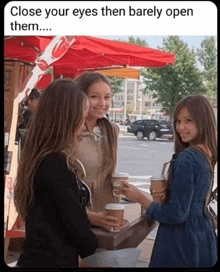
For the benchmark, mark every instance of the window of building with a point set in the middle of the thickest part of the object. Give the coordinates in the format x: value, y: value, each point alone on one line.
x: 148, y: 104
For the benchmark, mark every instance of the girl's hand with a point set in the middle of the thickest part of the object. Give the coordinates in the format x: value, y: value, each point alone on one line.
x: 133, y: 193
x: 161, y: 193
x: 102, y: 219
x: 130, y: 191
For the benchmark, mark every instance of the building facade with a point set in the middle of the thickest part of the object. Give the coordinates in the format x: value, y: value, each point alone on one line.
x: 138, y: 105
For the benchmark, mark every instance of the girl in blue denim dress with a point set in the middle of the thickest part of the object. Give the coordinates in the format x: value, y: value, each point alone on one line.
x: 186, y: 237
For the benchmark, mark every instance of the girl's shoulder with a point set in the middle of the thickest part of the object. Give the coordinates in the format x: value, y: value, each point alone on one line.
x: 55, y: 165
x: 55, y: 156
x: 53, y: 159
x: 192, y: 156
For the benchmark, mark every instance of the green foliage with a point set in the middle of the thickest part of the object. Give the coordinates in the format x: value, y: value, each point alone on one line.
x: 130, y: 108
x: 207, y: 56
x: 117, y: 84
x: 137, y: 41
x: 170, y: 84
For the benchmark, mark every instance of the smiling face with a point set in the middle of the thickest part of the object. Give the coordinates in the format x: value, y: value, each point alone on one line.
x: 186, y: 127
x: 99, y: 94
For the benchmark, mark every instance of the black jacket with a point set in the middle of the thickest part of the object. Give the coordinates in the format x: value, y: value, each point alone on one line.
x: 57, y: 227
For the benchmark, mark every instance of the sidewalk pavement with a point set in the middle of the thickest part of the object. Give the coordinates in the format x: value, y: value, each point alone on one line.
x: 123, y: 130
x: 133, y: 211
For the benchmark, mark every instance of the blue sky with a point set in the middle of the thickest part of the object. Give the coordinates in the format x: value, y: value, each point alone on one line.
x: 155, y: 41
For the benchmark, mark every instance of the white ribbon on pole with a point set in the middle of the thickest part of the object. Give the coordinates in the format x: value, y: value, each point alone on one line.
x: 54, y: 51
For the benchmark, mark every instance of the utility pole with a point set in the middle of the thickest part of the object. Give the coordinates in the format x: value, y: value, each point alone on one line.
x: 125, y: 100
x: 140, y: 99
x: 135, y: 95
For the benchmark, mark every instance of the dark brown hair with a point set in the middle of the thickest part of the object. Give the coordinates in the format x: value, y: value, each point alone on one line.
x: 34, y: 94
x: 59, y: 113
x: 202, y: 113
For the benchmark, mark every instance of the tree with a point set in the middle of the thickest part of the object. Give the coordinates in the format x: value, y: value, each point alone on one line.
x: 116, y: 84
x: 137, y: 41
x: 207, y: 56
x: 170, y: 84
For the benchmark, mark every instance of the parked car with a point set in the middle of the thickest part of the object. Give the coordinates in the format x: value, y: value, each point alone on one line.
x: 151, y: 129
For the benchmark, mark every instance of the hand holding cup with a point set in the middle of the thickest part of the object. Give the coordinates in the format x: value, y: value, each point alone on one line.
x: 133, y: 193
x: 130, y: 191
x: 116, y: 211
x: 160, y: 193
x: 103, y: 220
x: 158, y: 189
x: 117, y: 182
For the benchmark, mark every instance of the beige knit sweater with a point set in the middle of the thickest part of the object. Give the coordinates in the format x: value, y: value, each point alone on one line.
x: 90, y: 154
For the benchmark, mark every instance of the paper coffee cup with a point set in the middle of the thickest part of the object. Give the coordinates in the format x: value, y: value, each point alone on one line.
x: 116, y: 210
x: 117, y: 180
x: 158, y: 184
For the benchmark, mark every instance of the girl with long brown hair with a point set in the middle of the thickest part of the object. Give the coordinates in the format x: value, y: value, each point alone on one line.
x: 186, y: 237
x: 48, y: 195
x: 98, y: 145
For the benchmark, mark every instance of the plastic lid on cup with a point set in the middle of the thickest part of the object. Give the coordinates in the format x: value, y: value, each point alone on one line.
x: 157, y: 178
x: 114, y: 206
x: 120, y: 174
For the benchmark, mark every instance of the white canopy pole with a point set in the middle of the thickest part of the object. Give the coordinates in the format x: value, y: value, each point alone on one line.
x: 125, y: 103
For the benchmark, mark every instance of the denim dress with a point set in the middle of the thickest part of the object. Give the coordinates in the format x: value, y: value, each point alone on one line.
x: 185, y: 237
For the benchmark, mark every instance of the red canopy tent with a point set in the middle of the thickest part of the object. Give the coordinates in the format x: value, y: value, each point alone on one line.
x: 86, y: 53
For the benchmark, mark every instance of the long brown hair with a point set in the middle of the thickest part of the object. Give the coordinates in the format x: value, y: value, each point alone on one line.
x: 201, y: 111
x: 59, y: 113
x: 110, y: 142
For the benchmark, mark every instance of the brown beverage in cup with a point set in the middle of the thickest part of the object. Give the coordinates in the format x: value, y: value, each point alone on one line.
x: 158, y: 184
x: 116, y: 210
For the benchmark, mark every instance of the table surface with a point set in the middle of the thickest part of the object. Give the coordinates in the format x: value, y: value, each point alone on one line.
x: 134, y: 232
